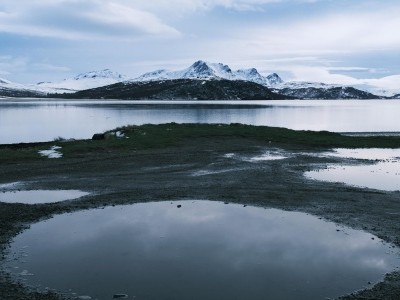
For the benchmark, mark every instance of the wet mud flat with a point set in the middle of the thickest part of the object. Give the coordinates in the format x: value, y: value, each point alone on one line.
x: 160, y: 163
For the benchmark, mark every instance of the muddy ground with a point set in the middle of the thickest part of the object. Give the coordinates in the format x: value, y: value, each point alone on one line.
x: 172, y: 173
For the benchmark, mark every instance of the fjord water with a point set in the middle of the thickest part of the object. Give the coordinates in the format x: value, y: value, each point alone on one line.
x: 44, y: 120
x: 201, y: 250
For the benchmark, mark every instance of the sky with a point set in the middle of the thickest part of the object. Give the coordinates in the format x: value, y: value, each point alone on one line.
x: 332, y: 41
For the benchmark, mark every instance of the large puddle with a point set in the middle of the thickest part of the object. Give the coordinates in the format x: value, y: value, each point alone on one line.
x: 382, y: 172
x: 39, y: 196
x: 197, y: 250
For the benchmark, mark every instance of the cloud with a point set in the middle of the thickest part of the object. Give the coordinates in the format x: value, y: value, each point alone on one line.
x: 329, y: 33
x: 9, y: 64
x: 202, y: 5
x: 85, y: 19
x: 50, y: 67
x: 389, y: 82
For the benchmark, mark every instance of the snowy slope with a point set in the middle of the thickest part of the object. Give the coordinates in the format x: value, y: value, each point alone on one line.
x: 4, y: 83
x: 83, y: 81
x: 204, y: 70
x: 12, y: 89
x: 317, y: 90
x: 384, y: 92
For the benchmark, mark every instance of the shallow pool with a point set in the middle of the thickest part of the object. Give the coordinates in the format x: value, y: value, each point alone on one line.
x: 382, y: 172
x: 200, y: 250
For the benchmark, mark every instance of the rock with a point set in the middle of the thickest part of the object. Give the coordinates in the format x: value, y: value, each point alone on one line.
x: 179, y: 206
x: 120, y: 296
x: 98, y: 136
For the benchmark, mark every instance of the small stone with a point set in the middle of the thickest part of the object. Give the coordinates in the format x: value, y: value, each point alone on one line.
x: 120, y: 296
x: 179, y: 206
x: 25, y: 273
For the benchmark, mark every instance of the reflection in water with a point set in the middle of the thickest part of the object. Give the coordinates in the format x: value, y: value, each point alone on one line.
x: 40, y: 196
x: 33, y: 121
x: 383, y: 175
x: 369, y: 153
x: 202, y: 250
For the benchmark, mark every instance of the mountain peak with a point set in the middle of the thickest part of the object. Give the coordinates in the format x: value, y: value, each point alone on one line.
x: 274, y: 79
x: 205, y: 70
x: 102, y: 74
x: 200, y: 69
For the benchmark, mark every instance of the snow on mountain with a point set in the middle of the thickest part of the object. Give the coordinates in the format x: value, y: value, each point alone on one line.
x: 274, y: 79
x: 251, y: 75
x: 155, y: 75
x: 11, y: 85
x: 7, y: 84
x: 12, y: 89
x: 305, y: 85
x: 384, y: 92
x: 4, y: 81
x: 204, y: 70
x: 83, y: 81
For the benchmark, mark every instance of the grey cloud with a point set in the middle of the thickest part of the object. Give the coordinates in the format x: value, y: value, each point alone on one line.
x: 81, y: 19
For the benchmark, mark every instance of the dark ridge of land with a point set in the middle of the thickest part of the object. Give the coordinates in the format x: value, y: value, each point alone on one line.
x: 157, y: 163
x: 22, y: 93
x: 327, y: 93
x: 179, y: 89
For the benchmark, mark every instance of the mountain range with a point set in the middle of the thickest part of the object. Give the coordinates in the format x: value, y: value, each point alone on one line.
x: 201, y: 80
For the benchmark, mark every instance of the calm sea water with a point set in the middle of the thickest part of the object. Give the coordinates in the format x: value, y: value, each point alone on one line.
x: 44, y: 120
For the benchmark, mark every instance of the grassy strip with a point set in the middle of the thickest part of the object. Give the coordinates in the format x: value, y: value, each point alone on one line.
x: 164, y: 135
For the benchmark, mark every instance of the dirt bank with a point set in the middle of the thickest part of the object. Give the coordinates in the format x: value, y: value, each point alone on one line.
x: 151, y: 167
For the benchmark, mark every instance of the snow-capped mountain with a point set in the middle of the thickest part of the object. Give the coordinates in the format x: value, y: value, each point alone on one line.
x: 83, y: 81
x: 12, y: 89
x: 204, y: 70
x: 4, y: 81
x: 317, y: 90
x: 383, y: 92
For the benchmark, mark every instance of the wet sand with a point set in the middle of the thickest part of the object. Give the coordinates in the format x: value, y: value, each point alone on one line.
x: 198, y: 169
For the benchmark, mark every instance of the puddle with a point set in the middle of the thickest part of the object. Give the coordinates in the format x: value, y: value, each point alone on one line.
x: 370, y: 154
x: 384, y: 174
x: 40, y: 196
x: 197, y: 250
x: 52, y: 152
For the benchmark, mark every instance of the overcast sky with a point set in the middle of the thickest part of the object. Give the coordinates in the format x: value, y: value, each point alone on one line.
x: 335, y: 41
